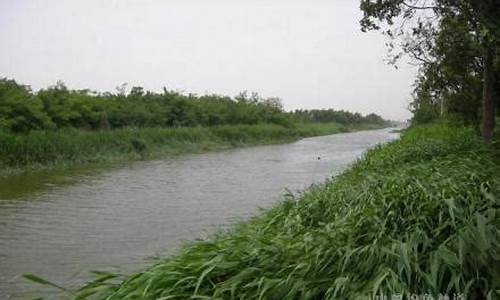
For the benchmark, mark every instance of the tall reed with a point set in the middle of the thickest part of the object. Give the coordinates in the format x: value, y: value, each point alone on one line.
x: 73, y: 146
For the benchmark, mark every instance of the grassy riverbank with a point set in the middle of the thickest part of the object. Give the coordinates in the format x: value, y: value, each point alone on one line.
x: 42, y: 149
x: 420, y: 215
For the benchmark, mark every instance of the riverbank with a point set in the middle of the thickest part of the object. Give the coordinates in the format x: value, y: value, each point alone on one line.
x: 419, y: 215
x: 47, y: 149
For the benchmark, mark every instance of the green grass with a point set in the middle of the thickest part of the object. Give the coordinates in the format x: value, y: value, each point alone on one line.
x: 417, y: 216
x: 42, y: 149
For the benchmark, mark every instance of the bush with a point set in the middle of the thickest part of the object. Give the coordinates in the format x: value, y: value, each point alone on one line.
x: 22, y: 110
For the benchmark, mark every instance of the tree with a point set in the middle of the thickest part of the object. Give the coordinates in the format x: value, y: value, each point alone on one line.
x: 419, y: 25
x: 19, y: 110
x: 450, y: 83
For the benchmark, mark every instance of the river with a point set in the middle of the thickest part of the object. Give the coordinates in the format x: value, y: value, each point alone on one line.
x: 114, y: 218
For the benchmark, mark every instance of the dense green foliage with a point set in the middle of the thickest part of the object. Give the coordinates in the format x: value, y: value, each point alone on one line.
x: 455, y: 44
x: 56, y: 107
x: 72, y: 146
x: 416, y: 216
x: 60, y: 126
x: 450, y: 83
x: 22, y: 110
x: 337, y: 116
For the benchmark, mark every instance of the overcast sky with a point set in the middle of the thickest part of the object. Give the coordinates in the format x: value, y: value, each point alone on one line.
x: 311, y: 54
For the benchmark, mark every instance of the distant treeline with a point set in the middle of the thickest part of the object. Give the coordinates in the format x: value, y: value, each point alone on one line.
x: 23, y: 110
x: 338, y: 116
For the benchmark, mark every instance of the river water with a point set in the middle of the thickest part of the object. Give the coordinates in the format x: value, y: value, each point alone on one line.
x: 62, y: 224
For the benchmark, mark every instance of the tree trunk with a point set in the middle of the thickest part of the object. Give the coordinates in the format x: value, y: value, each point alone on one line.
x: 488, y: 95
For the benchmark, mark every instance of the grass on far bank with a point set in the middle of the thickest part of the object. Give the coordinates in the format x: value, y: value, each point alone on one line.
x: 42, y: 149
x: 419, y: 216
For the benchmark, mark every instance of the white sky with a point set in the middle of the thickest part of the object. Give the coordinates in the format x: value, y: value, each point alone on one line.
x: 310, y: 53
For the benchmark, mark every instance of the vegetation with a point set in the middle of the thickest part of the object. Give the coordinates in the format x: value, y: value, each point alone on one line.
x: 419, y: 216
x: 61, y: 126
x: 57, y: 107
x: 416, y: 216
x: 456, y: 44
x: 72, y: 146
x: 338, y: 116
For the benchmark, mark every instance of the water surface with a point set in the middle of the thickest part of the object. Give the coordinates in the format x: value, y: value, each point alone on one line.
x: 99, y: 219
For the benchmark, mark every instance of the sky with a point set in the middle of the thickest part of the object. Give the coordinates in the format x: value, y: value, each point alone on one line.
x: 309, y: 53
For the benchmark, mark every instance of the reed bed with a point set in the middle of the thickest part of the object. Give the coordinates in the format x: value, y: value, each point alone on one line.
x: 418, y: 216
x: 72, y: 146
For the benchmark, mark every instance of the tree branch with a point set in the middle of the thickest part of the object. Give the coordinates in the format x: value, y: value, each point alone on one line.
x: 419, y: 7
